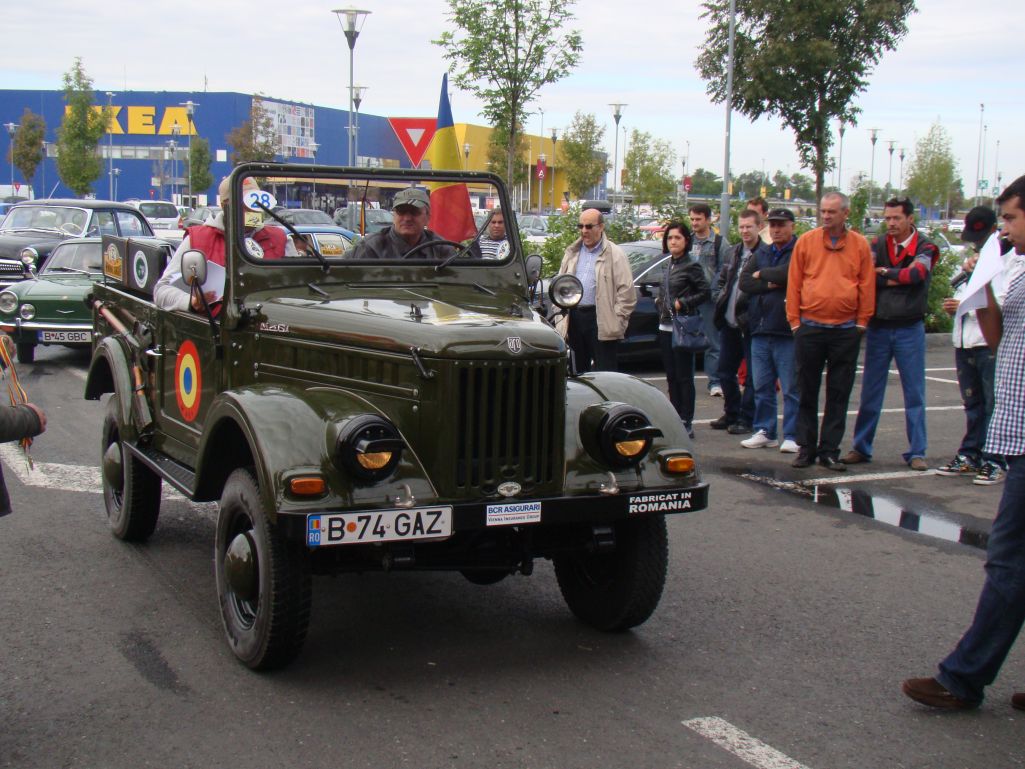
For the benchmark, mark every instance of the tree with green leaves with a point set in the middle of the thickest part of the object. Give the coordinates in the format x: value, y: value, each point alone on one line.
x: 253, y: 141
x: 26, y: 151
x: 498, y: 155
x: 648, y: 168
x: 705, y: 182
x: 801, y: 62
x: 504, y: 51
x: 78, y: 136
x: 198, y: 168
x: 932, y: 173
x: 580, y: 154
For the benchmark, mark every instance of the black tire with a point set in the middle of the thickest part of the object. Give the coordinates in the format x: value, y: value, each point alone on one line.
x: 266, y: 630
x: 618, y: 590
x: 484, y: 576
x: 131, y: 491
x: 26, y: 352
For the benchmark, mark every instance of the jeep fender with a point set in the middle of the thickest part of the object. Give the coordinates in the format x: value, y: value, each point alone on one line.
x: 110, y: 371
x: 286, y: 430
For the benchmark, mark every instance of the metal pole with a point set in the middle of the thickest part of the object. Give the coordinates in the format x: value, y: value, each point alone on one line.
x: 540, y: 156
x: 110, y: 145
x: 978, y: 160
x: 11, y: 128
x: 555, y: 138
x: 872, y: 170
x: 889, y: 173
x: 839, y: 159
x: 903, y: 151
x: 350, y: 19
x: 190, y: 111
x: 985, y: 130
x: 540, y: 184
x: 686, y: 160
x: 996, y: 172
x: 313, y: 149
x: 617, y: 113
x: 724, y: 202
x: 117, y: 173
x: 357, y: 99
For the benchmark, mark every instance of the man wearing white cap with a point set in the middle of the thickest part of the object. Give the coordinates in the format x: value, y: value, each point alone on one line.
x: 209, y: 238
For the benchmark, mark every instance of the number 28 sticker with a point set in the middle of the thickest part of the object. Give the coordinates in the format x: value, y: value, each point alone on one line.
x: 257, y: 200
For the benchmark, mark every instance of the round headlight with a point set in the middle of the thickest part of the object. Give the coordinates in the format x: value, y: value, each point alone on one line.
x: 369, y: 448
x: 566, y: 291
x: 27, y: 311
x: 617, y: 434
x: 29, y: 256
x: 8, y: 302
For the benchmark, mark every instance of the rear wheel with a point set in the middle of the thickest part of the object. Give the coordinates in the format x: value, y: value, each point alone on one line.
x: 26, y: 352
x: 131, y: 491
x: 263, y: 580
x: 620, y: 589
x: 484, y: 576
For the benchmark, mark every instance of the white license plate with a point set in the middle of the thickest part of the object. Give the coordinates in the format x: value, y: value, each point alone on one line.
x: 378, y: 526
x: 64, y: 336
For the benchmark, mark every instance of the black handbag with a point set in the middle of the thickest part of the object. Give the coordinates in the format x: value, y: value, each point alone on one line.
x: 689, y: 333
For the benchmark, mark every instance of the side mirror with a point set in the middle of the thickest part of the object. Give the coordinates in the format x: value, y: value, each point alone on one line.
x: 566, y: 291
x: 194, y: 267
x: 534, y: 264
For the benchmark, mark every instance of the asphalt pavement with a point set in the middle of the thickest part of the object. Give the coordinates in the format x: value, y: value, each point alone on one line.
x: 789, y: 618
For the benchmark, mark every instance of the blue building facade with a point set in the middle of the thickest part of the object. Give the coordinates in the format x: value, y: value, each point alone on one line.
x: 145, y: 152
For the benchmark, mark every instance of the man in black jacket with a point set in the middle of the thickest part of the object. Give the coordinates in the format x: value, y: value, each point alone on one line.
x: 734, y: 342
x: 903, y: 262
x: 764, y: 281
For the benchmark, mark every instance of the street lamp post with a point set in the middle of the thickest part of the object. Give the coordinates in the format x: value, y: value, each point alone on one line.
x: 110, y: 145
x: 540, y: 154
x: 996, y: 172
x: 176, y: 132
x: 540, y: 184
x: 889, y: 172
x: 686, y: 160
x: 724, y: 200
x: 466, y: 156
x: 872, y: 168
x: 978, y: 161
x: 901, y: 156
x: 555, y: 138
x: 617, y: 113
x: 985, y: 130
x: 190, y: 111
x: 172, y: 145
x: 313, y: 152
x: 117, y: 173
x: 839, y: 159
x: 351, y: 20
x: 11, y: 128
x: 357, y: 99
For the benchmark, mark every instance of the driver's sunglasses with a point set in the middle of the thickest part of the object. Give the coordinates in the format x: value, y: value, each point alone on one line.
x: 586, y: 226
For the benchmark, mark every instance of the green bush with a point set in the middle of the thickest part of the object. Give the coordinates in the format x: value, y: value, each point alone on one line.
x: 562, y: 232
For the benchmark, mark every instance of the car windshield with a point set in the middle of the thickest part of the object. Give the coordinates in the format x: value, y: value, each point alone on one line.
x: 405, y: 215
x: 85, y: 257
x: 54, y: 218
x: 640, y: 257
x: 158, y: 210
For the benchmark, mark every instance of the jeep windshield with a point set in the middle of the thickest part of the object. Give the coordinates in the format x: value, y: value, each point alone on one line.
x: 429, y: 217
x: 68, y: 220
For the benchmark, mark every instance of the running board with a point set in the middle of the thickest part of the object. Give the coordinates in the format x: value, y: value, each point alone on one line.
x: 178, y: 475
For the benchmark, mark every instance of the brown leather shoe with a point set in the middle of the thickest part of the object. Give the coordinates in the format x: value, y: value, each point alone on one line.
x: 855, y: 457
x: 1018, y: 700
x: 931, y: 692
x: 917, y: 463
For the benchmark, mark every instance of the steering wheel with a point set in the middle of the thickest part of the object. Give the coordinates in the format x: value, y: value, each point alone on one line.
x: 70, y: 228
x: 429, y: 243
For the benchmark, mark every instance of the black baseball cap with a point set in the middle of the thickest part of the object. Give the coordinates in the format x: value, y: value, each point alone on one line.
x: 978, y: 224
x: 781, y: 214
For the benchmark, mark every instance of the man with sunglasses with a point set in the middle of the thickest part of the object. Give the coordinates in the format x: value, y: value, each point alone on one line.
x: 903, y: 265
x: 594, y: 328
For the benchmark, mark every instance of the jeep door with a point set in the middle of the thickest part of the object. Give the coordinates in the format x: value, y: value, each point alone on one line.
x: 189, y: 378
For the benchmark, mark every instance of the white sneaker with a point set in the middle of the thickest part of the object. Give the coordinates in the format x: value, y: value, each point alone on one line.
x: 789, y: 447
x: 759, y: 440
x: 715, y: 391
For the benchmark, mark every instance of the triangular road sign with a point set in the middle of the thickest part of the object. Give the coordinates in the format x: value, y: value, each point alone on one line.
x: 414, y: 134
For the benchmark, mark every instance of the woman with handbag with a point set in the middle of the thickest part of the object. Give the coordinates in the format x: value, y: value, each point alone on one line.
x: 684, y: 288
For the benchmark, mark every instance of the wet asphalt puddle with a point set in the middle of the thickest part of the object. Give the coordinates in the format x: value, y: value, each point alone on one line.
x: 869, y: 504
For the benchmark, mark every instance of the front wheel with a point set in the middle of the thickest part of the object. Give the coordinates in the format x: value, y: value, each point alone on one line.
x: 26, y: 352
x: 618, y: 590
x: 263, y: 580
x: 131, y: 491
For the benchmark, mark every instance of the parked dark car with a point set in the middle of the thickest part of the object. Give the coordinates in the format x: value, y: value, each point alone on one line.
x: 304, y: 216
x: 375, y: 219
x: 201, y: 215
x: 31, y: 230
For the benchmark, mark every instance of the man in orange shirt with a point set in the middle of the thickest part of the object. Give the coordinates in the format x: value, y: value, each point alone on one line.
x: 830, y: 298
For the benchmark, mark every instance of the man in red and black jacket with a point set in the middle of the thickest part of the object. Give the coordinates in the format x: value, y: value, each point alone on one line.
x: 903, y: 262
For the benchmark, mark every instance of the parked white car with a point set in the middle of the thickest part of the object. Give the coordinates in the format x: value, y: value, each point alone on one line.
x: 161, y: 214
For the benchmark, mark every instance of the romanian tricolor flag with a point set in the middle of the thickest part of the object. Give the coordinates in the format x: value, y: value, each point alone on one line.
x: 451, y: 214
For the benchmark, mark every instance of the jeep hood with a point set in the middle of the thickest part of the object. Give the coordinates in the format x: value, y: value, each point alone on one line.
x: 465, y: 323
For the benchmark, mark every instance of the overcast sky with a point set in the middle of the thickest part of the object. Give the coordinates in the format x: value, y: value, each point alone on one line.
x: 641, y: 53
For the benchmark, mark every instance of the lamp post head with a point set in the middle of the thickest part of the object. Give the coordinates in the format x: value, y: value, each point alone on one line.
x: 357, y: 95
x: 117, y: 172
x: 466, y: 150
x: 891, y: 142
x: 617, y: 111
x: 555, y: 135
x: 314, y: 147
x: 901, y: 154
x: 875, y: 135
x: 351, y: 20
x: 176, y: 129
x: 11, y: 128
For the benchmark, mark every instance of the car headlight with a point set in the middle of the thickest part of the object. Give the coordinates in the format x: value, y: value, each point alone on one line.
x: 566, y: 291
x: 8, y: 302
x: 369, y: 448
x: 617, y: 434
x: 27, y: 311
x: 29, y: 256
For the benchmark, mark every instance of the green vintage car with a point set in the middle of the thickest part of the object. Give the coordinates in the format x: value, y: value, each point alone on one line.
x: 49, y: 308
x: 394, y: 411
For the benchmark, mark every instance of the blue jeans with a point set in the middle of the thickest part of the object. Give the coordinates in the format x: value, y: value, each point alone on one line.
x: 906, y: 344
x: 772, y: 358
x: 976, y: 367
x: 976, y: 660
x: 711, y: 365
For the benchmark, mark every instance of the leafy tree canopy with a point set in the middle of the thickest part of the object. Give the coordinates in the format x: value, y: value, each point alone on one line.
x: 504, y: 51
x: 26, y: 151
x: 580, y: 154
x: 648, y: 169
x: 254, y: 140
x: 932, y: 173
x: 78, y: 163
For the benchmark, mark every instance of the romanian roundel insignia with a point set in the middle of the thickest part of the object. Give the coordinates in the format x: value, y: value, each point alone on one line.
x: 188, y: 381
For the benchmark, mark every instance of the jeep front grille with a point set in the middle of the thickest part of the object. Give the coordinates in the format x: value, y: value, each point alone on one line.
x: 509, y: 424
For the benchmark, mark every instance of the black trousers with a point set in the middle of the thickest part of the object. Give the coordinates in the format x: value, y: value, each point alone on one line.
x: 589, y: 353
x: 836, y: 351
x: 734, y: 347
x: 679, y: 366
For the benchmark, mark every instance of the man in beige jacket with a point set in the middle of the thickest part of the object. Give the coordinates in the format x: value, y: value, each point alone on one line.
x: 594, y: 327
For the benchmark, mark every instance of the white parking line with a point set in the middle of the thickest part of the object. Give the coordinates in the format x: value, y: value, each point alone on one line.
x: 844, y: 478
x: 741, y: 744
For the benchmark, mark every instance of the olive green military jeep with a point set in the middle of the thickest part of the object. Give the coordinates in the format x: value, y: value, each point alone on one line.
x: 353, y: 414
